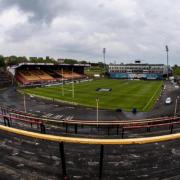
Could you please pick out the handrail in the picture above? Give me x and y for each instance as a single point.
(78, 140)
(33, 121)
(87, 121)
(125, 127)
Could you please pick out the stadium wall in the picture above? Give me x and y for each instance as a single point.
(116, 75)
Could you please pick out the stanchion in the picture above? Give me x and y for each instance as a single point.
(101, 161)
(63, 161)
(108, 130)
(43, 128)
(75, 128)
(171, 128)
(66, 127)
(122, 134)
(117, 130)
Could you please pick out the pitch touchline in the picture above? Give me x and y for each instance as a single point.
(151, 98)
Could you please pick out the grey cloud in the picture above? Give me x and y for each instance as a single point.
(43, 10)
(22, 32)
(135, 29)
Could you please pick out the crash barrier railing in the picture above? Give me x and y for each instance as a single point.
(122, 125)
(169, 122)
(86, 122)
(76, 140)
(7, 118)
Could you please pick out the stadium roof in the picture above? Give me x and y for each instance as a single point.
(46, 64)
(136, 64)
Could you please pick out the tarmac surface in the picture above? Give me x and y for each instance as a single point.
(57, 110)
(25, 158)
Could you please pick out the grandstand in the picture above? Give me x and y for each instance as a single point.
(42, 75)
(138, 70)
(46, 73)
(26, 77)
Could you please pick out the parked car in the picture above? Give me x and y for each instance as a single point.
(168, 100)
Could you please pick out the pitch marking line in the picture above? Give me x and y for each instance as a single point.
(48, 115)
(151, 98)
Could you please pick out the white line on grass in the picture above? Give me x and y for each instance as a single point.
(151, 98)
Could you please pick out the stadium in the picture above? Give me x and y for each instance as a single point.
(68, 83)
(89, 90)
(59, 123)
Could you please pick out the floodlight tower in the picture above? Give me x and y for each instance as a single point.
(167, 51)
(104, 58)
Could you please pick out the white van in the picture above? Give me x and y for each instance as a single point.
(168, 100)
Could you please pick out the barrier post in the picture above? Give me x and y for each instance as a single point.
(148, 127)
(101, 161)
(43, 129)
(10, 120)
(4, 121)
(122, 135)
(108, 130)
(37, 124)
(170, 124)
(9, 125)
(117, 130)
(75, 128)
(63, 161)
(98, 128)
(171, 128)
(66, 127)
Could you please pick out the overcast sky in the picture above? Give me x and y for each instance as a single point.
(79, 29)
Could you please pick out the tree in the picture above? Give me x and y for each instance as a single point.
(101, 64)
(33, 59)
(22, 59)
(70, 61)
(11, 60)
(83, 62)
(2, 63)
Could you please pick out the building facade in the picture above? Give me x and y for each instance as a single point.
(137, 71)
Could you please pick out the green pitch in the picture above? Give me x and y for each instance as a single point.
(125, 94)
